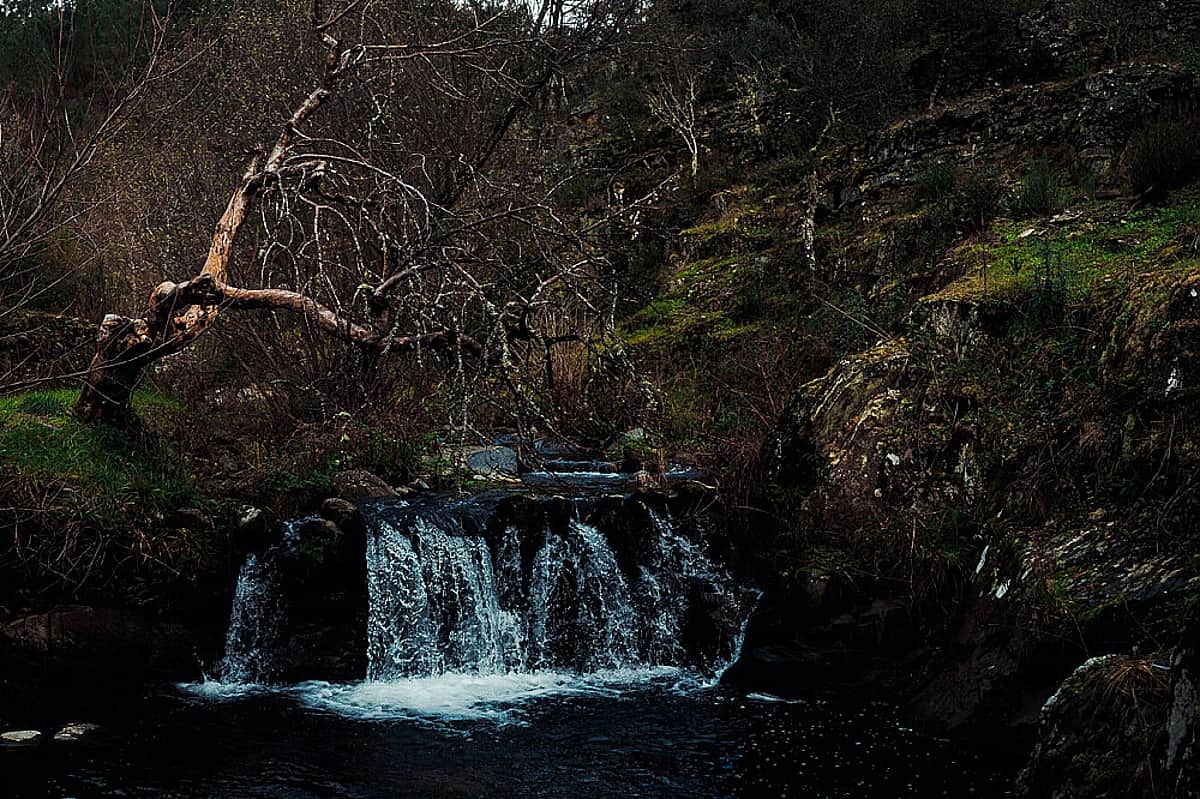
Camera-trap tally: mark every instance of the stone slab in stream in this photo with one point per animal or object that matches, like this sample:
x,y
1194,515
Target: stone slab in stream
x,y
77,732
20,738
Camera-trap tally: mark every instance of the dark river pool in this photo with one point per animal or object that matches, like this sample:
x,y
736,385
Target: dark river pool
x,y
621,734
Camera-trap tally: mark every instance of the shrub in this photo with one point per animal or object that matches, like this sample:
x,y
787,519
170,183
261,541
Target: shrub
x,y
1040,193
1163,156
968,203
977,198
937,181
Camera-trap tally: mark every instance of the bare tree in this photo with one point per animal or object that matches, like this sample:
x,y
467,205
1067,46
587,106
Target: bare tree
x,y
399,223
675,107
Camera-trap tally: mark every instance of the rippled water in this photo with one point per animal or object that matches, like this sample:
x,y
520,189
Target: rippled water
x,y
650,734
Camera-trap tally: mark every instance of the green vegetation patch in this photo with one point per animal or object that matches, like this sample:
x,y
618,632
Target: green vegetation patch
x,y
1104,252
94,474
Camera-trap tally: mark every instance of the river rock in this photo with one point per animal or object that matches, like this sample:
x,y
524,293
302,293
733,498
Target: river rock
x,y
20,738
250,519
343,513
357,484
77,732
491,461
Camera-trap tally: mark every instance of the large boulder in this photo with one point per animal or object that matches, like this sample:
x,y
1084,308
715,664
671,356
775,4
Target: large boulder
x,y
493,461
828,437
359,484
1102,733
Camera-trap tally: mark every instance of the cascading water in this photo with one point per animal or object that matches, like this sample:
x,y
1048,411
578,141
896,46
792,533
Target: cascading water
x,y
433,604
257,618
442,600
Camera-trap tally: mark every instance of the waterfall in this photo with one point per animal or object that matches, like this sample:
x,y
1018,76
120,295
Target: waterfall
x,y
466,587
441,600
433,602
258,617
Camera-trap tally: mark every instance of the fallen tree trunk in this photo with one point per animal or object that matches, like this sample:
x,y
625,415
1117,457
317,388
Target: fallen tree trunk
x,y
177,313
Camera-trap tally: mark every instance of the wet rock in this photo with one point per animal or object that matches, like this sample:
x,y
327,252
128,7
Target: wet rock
x,y
20,738
489,461
250,520
343,513
1183,724
323,549
782,669
255,529
77,732
358,484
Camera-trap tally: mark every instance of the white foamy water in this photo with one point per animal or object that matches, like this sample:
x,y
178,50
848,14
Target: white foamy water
x,y
499,698
218,691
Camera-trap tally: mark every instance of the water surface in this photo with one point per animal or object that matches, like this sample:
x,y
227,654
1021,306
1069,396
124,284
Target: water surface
x,y
657,734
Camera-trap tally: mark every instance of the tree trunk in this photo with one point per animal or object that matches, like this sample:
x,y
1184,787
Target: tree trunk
x,y
175,315
123,349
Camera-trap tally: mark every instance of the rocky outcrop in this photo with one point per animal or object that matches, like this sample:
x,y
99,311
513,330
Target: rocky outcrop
x,y
1070,35
829,439
1093,115
1155,344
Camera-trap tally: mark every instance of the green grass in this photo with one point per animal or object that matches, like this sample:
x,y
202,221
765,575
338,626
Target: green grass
x,y
1105,251
100,475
